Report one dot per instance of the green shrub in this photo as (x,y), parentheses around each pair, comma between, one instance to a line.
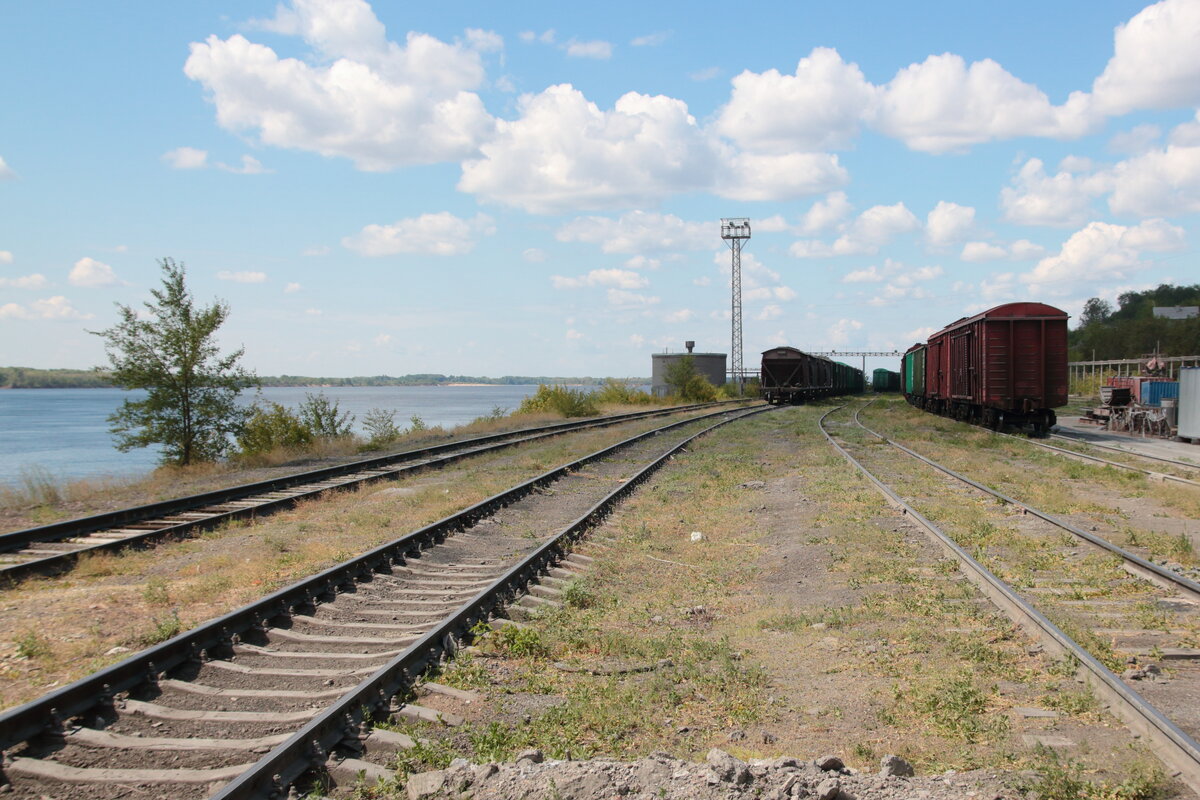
(380,425)
(271,426)
(560,400)
(323,418)
(416,424)
(615,392)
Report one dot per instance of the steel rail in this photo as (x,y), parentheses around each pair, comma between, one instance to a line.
(382,468)
(48,713)
(1174,747)
(1139,566)
(340,724)
(1160,476)
(1116,449)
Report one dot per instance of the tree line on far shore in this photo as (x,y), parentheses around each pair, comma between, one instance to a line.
(34,378)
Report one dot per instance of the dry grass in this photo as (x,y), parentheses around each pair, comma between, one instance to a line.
(123,600)
(877,648)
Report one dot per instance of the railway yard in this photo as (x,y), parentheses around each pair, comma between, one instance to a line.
(725,607)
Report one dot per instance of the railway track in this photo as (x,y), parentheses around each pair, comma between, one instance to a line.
(1115,449)
(54,548)
(1114,621)
(282,691)
(1075,454)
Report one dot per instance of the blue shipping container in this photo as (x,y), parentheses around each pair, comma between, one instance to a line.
(1153,392)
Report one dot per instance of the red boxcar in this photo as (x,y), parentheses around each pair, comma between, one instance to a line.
(1005,365)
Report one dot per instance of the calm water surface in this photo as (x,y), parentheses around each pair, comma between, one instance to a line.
(65,431)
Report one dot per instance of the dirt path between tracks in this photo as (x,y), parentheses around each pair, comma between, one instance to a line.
(758,597)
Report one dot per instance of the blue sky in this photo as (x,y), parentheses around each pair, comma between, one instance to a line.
(535,188)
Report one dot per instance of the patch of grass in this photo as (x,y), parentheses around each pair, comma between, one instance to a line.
(155,592)
(955,706)
(31,645)
(520,642)
(162,629)
(464,672)
(1058,778)
(579,594)
(1077,703)
(424,755)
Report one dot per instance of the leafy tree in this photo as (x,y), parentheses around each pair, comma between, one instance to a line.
(687,382)
(1132,330)
(190,407)
(1095,311)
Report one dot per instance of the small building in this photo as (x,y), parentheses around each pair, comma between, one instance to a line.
(1176,312)
(710,365)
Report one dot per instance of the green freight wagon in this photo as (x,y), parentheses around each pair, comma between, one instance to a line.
(914,371)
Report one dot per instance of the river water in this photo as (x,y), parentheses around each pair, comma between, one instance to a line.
(65,431)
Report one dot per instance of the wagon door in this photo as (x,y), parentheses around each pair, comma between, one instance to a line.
(962,363)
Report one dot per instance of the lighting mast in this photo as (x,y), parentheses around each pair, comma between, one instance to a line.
(736,230)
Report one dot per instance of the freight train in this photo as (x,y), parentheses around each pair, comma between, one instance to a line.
(793,376)
(884,380)
(1004,366)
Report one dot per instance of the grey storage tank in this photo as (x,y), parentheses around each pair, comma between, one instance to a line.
(1189,403)
(710,365)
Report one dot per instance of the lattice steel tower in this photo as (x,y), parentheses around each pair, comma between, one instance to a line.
(735,230)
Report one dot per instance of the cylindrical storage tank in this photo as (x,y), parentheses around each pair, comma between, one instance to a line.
(710,365)
(1189,403)
(1154,392)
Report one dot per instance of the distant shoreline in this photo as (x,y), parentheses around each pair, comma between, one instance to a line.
(32,378)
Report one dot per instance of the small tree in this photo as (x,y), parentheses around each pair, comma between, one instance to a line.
(687,383)
(324,418)
(190,407)
(380,425)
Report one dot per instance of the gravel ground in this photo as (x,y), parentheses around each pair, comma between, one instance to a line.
(720,777)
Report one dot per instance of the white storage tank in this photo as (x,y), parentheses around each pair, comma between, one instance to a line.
(1189,403)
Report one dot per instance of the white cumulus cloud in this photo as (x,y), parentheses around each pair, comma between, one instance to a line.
(34,281)
(873,228)
(595,49)
(90,273)
(6,172)
(186,158)
(563,152)
(1036,198)
(943,104)
(625,299)
(840,332)
(948,223)
(639,232)
(826,214)
(620,278)
(441,234)
(1102,251)
(242,277)
(819,107)
(53,308)
(1162,182)
(1155,62)
(6,257)
(358,96)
